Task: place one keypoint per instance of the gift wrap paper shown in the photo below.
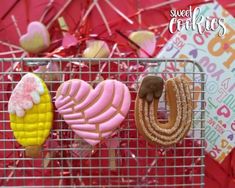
(216, 55)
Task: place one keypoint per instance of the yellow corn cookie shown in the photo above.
(31, 113)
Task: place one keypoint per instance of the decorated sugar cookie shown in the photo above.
(96, 49)
(146, 40)
(93, 114)
(31, 113)
(37, 38)
(180, 103)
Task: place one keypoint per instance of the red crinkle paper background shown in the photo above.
(156, 20)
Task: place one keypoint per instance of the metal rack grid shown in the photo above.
(131, 162)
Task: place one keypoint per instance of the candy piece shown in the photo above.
(96, 113)
(37, 38)
(146, 40)
(96, 49)
(180, 104)
(31, 114)
(69, 41)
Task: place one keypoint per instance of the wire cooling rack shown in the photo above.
(125, 159)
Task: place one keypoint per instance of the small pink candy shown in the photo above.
(69, 41)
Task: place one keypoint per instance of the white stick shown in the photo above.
(16, 25)
(46, 10)
(59, 13)
(163, 32)
(13, 55)
(88, 12)
(105, 64)
(119, 12)
(103, 18)
(14, 166)
(113, 50)
(11, 52)
(10, 45)
(230, 5)
(158, 26)
(119, 52)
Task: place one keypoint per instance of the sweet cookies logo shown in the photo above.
(194, 20)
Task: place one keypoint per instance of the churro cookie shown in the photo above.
(179, 100)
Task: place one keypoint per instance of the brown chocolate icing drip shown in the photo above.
(180, 118)
(151, 87)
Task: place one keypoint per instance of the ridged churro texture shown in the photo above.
(179, 100)
(93, 114)
(31, 115)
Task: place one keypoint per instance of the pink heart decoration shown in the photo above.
(69, 41)
(37, 38)
(224, 111)
(226, 46)
(184, 37)
(93, 114)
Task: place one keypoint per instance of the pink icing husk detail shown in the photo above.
(104, 107)
(26, 93)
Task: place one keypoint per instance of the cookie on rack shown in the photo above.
(93, 114)
(178, 97)
(31, 115)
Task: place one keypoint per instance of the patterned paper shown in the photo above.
(216, 55)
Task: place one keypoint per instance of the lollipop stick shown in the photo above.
(112, 161)
(88, 12)
(230, 5)
(59, 13)
(11, 52)
(46, 11)
(13, 55)
(16, 25)
(103, 18)
(119, 12)
(14, 168)
(112, 144)
(98, 77)
(11, 45)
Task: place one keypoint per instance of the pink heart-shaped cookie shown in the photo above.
(37, 38)
(93, 114)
